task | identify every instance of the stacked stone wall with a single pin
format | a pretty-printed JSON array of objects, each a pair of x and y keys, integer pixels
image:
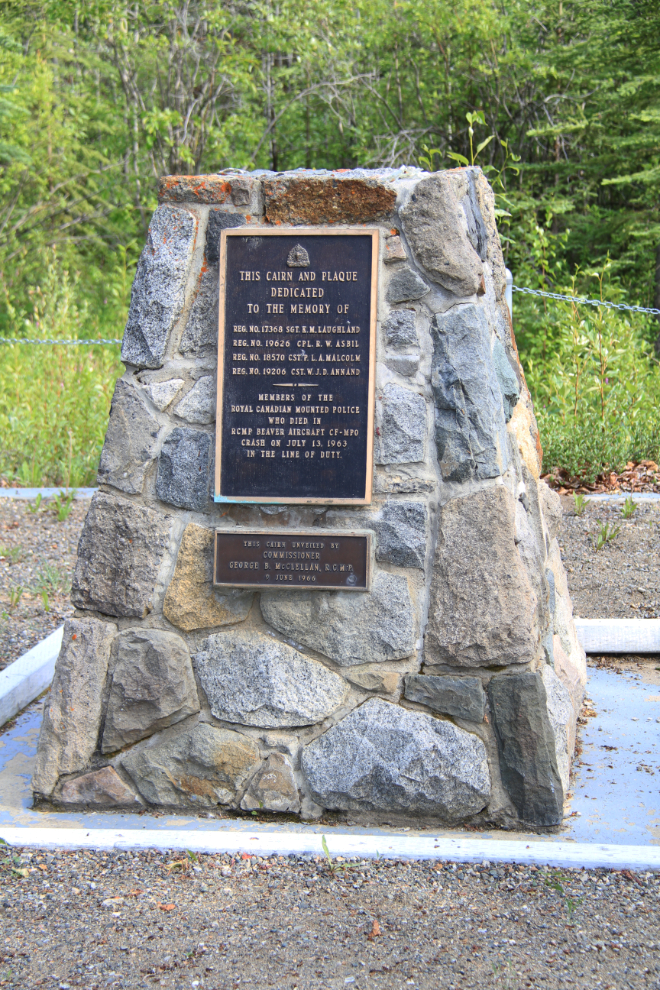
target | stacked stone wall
[{"x": 449, "y": 692}]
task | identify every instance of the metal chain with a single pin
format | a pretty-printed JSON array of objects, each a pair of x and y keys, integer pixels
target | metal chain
[
  {"x": 586, "y": 302},
  {"x": 514, "y": 288},
  {"x": 28, "y": 340}
]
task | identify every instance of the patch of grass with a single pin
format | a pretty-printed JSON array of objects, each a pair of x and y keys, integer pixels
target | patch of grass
[
  {"x": 629, "y": 508},
  {"x": 606, "y": 533},
  {"x": 51, "y": 580},
  {"x": 579, "y": 504},
  {"x": 54, "y": 399},
  {"x": 12, "y": 554}
]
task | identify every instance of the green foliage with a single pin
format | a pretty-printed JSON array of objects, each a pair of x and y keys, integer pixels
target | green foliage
[
  {"x": 54, "y": 401},
  {"x": 579, "y": 504},
  {"x": 606, "y": 533},
  {"x": 562, "y": 107},
  {"x": 629, "y": 508},
  {"x": 62, "y": 505}
]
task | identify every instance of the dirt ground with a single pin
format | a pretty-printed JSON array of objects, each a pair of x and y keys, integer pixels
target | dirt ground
[
  {"x": 622, "y": 579},
  {"x": 38, "y": 554},
  {"x": 142, "y": 920},
  {"x": 37, "y": 557}
]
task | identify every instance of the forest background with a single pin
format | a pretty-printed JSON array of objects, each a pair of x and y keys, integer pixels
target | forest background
[{"x": 558, "y": 101}]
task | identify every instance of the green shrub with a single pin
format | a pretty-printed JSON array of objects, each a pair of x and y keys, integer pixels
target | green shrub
[
  {"x": 596, "y": 387},
  {"x": 54, "y": 399}
]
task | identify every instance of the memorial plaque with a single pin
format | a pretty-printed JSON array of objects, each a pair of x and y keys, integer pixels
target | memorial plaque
[
  {"x": 285, "y": 559},
  {"x": 296, "y": 365}
]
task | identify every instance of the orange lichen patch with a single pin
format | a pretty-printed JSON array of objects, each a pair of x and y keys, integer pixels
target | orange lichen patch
[
  {"x": 326, "y": 200},
  {"x": 195, "y": 189}
]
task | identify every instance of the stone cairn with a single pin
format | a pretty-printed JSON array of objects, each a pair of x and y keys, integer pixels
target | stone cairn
[{"x": 447, "y": 693}]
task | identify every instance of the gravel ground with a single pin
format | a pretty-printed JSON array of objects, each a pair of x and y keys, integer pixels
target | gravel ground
[
  {"x": 37, "y": 555},
  {"x": 140, "y": 920},
  {"x": 622, "y": 580}
]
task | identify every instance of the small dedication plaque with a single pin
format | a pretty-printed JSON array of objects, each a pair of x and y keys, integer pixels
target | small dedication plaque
[
  {"x": 267, "y": 559},
  {"x": 296, "y": 365}
]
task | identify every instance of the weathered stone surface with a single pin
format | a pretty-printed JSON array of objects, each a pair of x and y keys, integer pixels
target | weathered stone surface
[
  {"x": 385, "y": 681},
  {"x": 101, "y": 789},
  {"x": 119, "y": 554},
  {"x": 157, "y": 296},
  {"x": 526, "y": 745},
  {"x": 73, "y": 708},
  {"x": 273, "y": 788},
  {"x": 218, "y": 221},
  {"x": 401, "y": 533},
  {"x": 405, "y": 285},
  {"x": 399, "y": 329},
  {"x": 470, "y": 430},
  {"x": 551, "y": 508},
  {"x": 482, "y": 608},
  {"x": 153, "y": 686},
  {"x": 563, "y": 720},
  {"x": 382, "y": 757},
  {"x": 349, "y": 628},
  {"x": 572, "y": 675},
  {"x": 236, "y": 190},
  {"x": 330, "y": 198},
  {"x": 251, "y": 679},
  {"x": 131, "y": 441},
  {"x": 162, "y": 393},
  {"x": 477, "y": 231},
  {"x": 183, "y": 469},
  {"x": 401, "y": 429},
  {"x": 462, "y": 697},
  {"x": 200, "y": 337},
  {"x": 571, "y": 662},
  {"x": 507, "y": 380},
  {"x": 198, "y": 405},
  {"x": 403, "y": 364},
  {"x": 524, "y": 428},
  {"x": 191, "y": 601},
  {"x": 202, "y": 766},
  {"x": 438, "y": 239},
  {"x": 394, "y": 250}
]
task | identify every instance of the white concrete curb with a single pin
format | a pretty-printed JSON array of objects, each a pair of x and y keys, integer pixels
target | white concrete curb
[
  {"x": 24, "y": 679},
  {"x": 364, "y": 846},
  {"x": 81, "y": 493},
  {"x": 619, "y": 635}
]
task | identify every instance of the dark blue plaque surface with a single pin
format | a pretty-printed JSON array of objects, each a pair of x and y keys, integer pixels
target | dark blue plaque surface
[{"x": 296, "y": 365}]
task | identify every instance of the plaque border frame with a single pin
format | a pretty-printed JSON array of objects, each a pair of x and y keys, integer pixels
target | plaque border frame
[
  {"x": 315, "y": 534},
  {"x": 372, "y": 232}
]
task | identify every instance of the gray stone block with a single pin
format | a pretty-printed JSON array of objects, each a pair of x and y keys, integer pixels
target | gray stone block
[
  {"x": 218, "y": 221},
  {"x": 198, "y": 405},
  {"x": 507, "y": 380},
  {"x": 101, "y": 789},
  {"x": 273, "y": 787},
  {"x": 438, "y": 239},
  {"x": 158, "y": 292},
  {"x": 482, "y": 606},
  {"x": 461, "y": 697},
  {"x": 405, "y": 286},
  {"x": 162, "y": 393},
  {"x": 73, "y": 708},
  {"x": 526, "y": 745},
  {"x": 563, "y": 720},
  {"x": 401, "y": 533},
  {"x": 120, "y": 552},
  {"x": 384, "y": 758},
  {"x": 131, "y": 441},
  {"x": 401, "y": 429},
  {"x": 153, "y": 686},
  {"x": 183, "y": 469},
  {"x": 200, "y": 336},
  {"x": 251, "y": 679},
  {"x": 477, "y": 231},
  {"x": 349, "y": 627},
  {"x": 403, "y": 364},
  {"x": 470, "y": 432},
  {"x": 203, "y": 766},
  {"x": 399, "y": 329}
]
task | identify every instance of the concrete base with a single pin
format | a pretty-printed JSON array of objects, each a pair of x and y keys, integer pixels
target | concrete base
[
  {"x": 27, "y": 677},
  {"x": 619, "y": 635}
]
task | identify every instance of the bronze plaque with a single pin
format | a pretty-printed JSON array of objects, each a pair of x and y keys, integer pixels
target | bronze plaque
[
  {"x": 296, "y": 365},
  {"x": 284, "y": 559}
]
